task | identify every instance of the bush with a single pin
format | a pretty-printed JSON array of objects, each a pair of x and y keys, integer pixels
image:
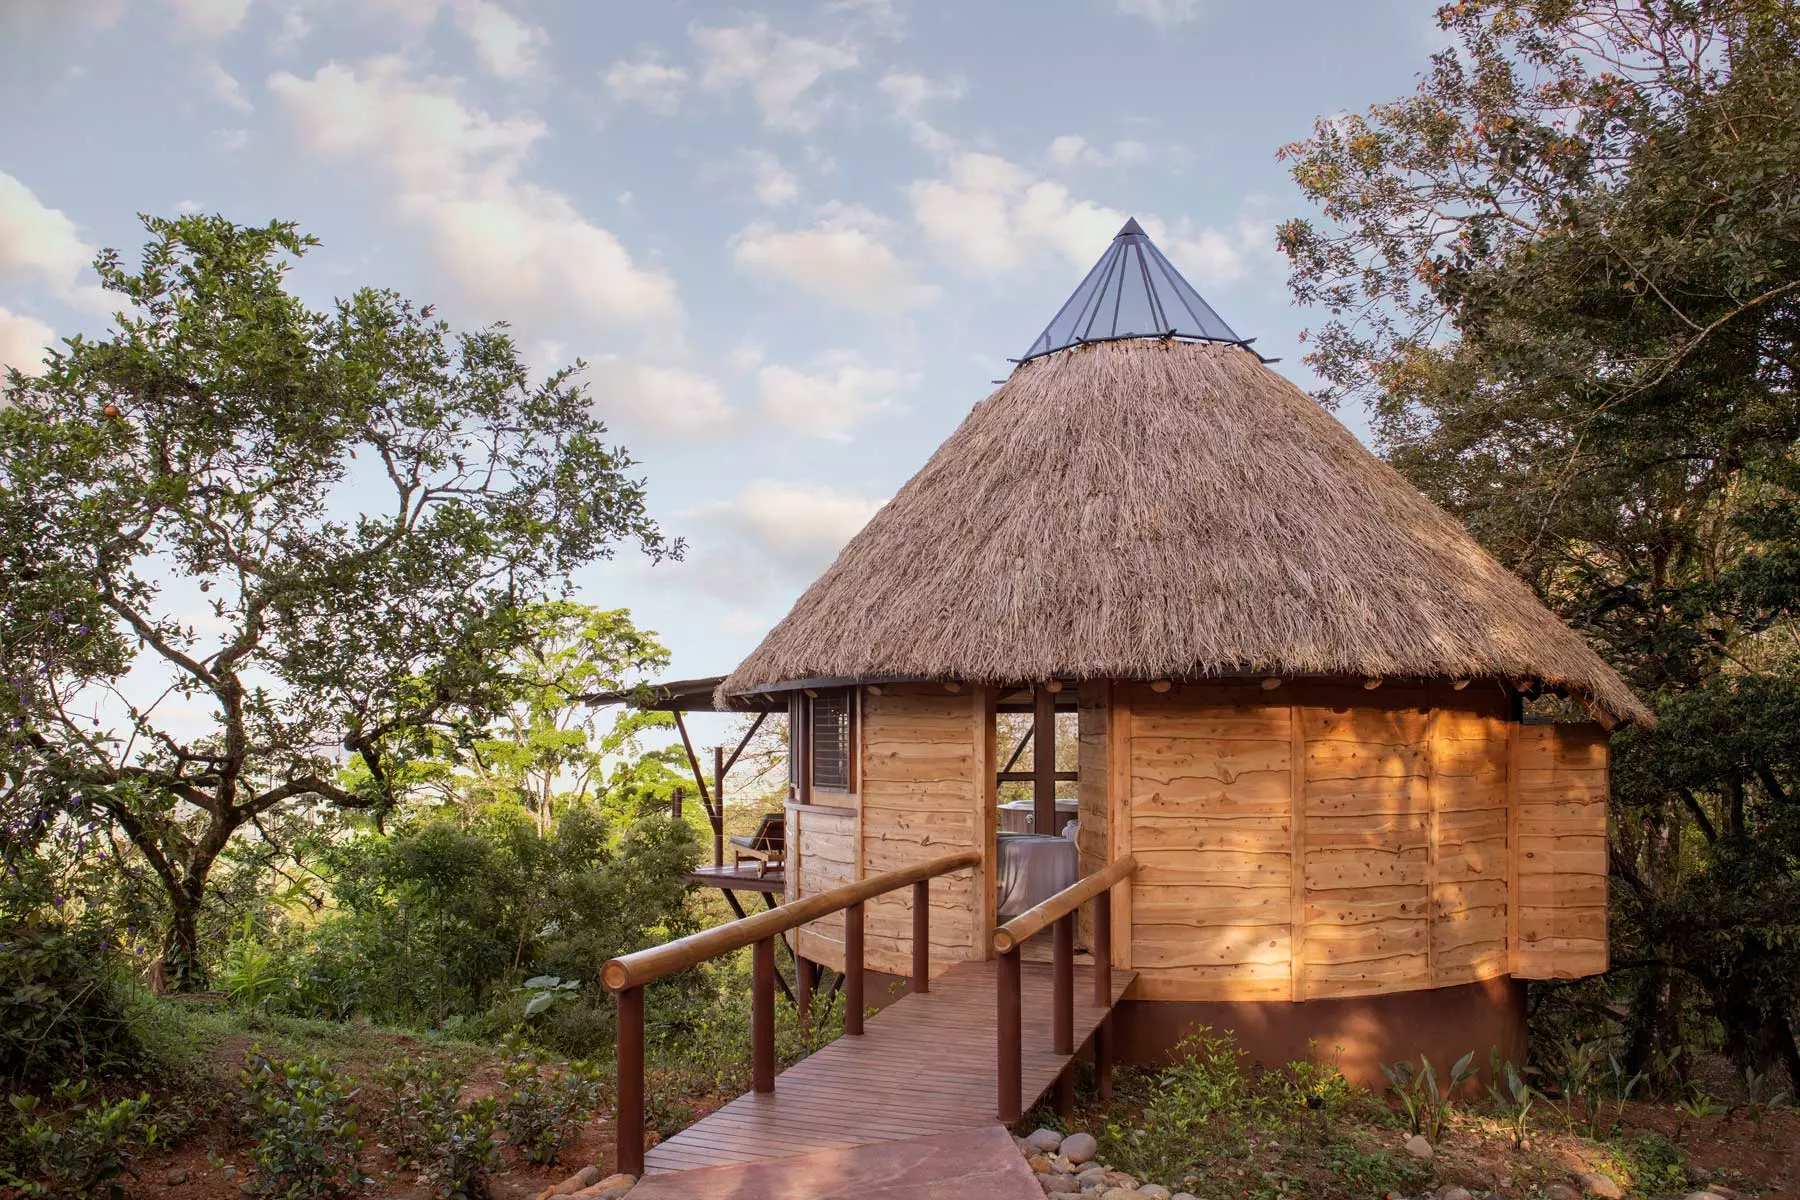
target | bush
[
  {"x": 64, "y": 1010},
  {"x": 1203, "y": 1098},
  {"x": 540, "y": 1110},
  {"x": 463, "y": 1152},
  {"x": 84, "y": 1148},
  {"x": 420, "y": 1101},
  {"x": 307, "y": 1142}
]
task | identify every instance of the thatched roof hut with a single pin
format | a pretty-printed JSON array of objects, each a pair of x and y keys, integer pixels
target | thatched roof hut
[{"x": 1140, "y": 508}]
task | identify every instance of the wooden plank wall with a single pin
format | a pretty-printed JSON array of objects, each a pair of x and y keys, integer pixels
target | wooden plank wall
[
  {"x": 1316, "y": 841},
  {"x": 923, "y": 766},
  {"x": 1561, "y": 865},
  {"x": 1208, "y": 817},
  {"x": 826, "y": 841},
  {"x": 1092, "y": 841}
]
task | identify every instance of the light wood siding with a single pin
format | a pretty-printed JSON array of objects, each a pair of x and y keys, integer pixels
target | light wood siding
[
  {"x": 1093, "y": 705},
  {"x": 1209, "y": 820},
  {"x": 923, "y": 759},
  {"x": 1561, "y": 865},
  {"x": 1469, "y": 769},
  {"x": 826, "y": 843}
]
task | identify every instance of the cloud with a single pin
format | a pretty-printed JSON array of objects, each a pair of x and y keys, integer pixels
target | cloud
[
  {"x": 1073, "y": 150},
  {"x": 225, "y": 87},
  {"x": 511, "y": 247},
  {"x": 23, "y": 341},
  {"x": 651, "y": 85},
  {"x": 662, "y": 399},
  {"x": 775, "y": 184},
  {"x": 779, "y": 69},
  {"x": 1161, "y": 13},
  {"x": 209, "y": 18},
  {"x": 504, "y": 45},
  {"x": 842, "y": 258},
  {"x": 774, "y": 535},
  {"x": 41, "y": 244},
  {"x": 909, "y": 94},
  {"x": 839, "y": 392},
  {"x": 21, "y": 18}
]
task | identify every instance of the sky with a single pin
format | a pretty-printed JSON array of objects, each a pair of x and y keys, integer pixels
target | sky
[{"x": 795, "y": 241}]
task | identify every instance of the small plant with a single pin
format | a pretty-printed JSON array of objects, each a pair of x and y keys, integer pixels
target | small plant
[
  {"x": 541, "y": 1111},
  {"x": 1698, "y": 1104},
  {"x": 546, "y": 990},
  {"x": 1375, "y": 1171},
  {"x": 249, "y": 971},
  {"x": 1314, "y": 1085},
  {"x": 1512, "y": 1096},
  {"x": 420, "y": 1101},
  {"x": 463, "y": 1153},
  {"x": 85, "y": 1149},
  {"x": 307, "y": 1142},
  {"x": 1425, "y": 1103}
]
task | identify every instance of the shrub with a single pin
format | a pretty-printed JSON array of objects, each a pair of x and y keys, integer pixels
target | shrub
[
  {"x": 249, "y": 972},
  {"x": 1204, "y": 1097},
  {"x": 307, "y": 1143},
  {"x": 64, "y": 1011},
  {"x": 420, "y": 1102},
  {"x": 1425, "y": 1103},
  {"x": 542, "y": 1110},
  {"x": 1375, "y": 1171},
  {"x": 463, "y": 1152},
  {"x": 84, "y": 1148}
]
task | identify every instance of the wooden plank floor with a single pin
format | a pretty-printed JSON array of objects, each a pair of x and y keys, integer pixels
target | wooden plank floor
[{"x": 924, "y": 1065}]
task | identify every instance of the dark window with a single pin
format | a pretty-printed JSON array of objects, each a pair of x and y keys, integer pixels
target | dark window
[{"x": 832, "y": 741}]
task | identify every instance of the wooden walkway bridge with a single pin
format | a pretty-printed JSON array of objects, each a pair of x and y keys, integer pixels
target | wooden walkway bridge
[
  {"x": 948, "y": 1064},
  {"x": 924, "y": 1065}
]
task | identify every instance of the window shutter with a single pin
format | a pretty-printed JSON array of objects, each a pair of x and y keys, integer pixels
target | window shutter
[{"x": 831, "y": 741}]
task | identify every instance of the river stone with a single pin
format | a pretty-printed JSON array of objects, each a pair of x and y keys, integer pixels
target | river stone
[
  {"x": 1054, "y": 1185},
  {"x": 1122, "y": 1194},
  {"x": 1601, "y": 1185},
  {"x": 1719, "y": 1189},
  {"x": 1155, "y": 1191},
  {"x": 1039, "y": 1164},
  {"x": 1046, "y": 1140},
  {"x": 1091, "y": 1177},
  {"x": 176, "y": 1177},
  {"x": 1418, "y": 1147},
  {"x": 1184, "y": 1196},
  {"x": 1452, "y": 1192},
  {"x": 1560, "y": 1191},
  {"x": 1079, "y": 1147},
  {"x": 1025, "y": 1147},
  {"x": 610, "y": 1188}
]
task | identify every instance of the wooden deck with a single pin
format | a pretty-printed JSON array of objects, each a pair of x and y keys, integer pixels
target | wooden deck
[
  {"x": 925, "y": 1065},
  {"x": 740, "y": 879}
]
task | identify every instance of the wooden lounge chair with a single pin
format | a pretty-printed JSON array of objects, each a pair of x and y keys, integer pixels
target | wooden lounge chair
[{"x": 768, "y": 845}]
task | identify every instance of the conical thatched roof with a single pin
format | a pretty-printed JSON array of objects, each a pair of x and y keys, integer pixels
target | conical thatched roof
[{"x": 1148, "y": 508}]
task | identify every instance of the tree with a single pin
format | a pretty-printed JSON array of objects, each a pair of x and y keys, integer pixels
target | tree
[
  {"x": 1566, "y": 272},
  {"x": 321, "y": 532}
]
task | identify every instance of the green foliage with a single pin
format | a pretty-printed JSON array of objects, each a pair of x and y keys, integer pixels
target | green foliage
[
  {"x": 302, "y": 1115},
  {"x": 465, "y": 1152},
  {"x": 83, "y": 1147},
  {"x": 1375, "y": 1170},
  {"x": 542, "y": 1108},
  {"x": 1315, "y": 1086},
  {"x": 1651, "y": 1164},
  {"x": 1512, "y": 1097},
  {"x": 202, "y": 456},
  {"x": 1425, "y": 1103},
  {"x": 1203, "y": 1098},
  {"x": 249, "y": 972},
  {"x": 419, "y": 1101},
  {"x": 1565, "y": 273},
  {"x": 63, "y": 1007}
]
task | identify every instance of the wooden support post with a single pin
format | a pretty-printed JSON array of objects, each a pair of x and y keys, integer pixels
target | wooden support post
[
  {"x": 718, "y": 813},
  {"x": 853, "y": 970},
  {"x": 675, "y": 801},
  {"x": 1009, "y": 1019},
  {"x": 1062, "y": 989},
  {"x": 1103, "y": 1056},
  {"x": 629, "y": 1119},
  {"x": 803, "y": 991},
  {"x": 1043, "y": 761},
  {"x": 921, "y": 947},
  {"x": 1103, "y": 949},
  {"x": 762, "y": 1016},
  {"x": 1065, "y": 1092}
]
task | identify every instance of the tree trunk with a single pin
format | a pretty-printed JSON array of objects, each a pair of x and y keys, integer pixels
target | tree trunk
[{"x": 182, "y": 969}]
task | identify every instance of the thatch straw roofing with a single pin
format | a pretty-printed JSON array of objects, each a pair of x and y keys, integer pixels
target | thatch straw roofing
[{"x": 1147, "y": 509}]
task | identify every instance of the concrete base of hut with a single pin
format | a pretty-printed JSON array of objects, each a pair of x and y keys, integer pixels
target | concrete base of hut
[{"x": 1357, "y": 1034}]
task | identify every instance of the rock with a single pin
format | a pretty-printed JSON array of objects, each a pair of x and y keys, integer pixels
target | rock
[
  {"x": 587, "y": 1177},
  {"x": 1604, "y": 1186},
  {"x": 1091, "y": 1177},
  {"x": 1706, "y": 1195},
  {"x": 1039, "y": 1164},
  {"x": 176, "y": 1177},
  {"x": 1560, "y": 1191},
  {"x": 1079, "y": 1147},
  {"x": 1154, "y": 1191},
  {"x": 1120, "y": 1179},
  {"x": 1184, "y": 1196},
  {"x": 1719, "y": 1189},
  {"x": 1121, "y": 1194},
  {"x": 1025, "y": 1147},
  {"x": 1418, "y": 1147},
  {"x": 1452, "y": 1192},
  {"x": 1045, "y": 1140},
  {"x": 610, "y": 1188},
  {"x": 1058, "y": 1185}
]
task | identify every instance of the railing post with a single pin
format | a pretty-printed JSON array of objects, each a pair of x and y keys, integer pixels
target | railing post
[
  {"x": 1012, "y": 1050},
  {"x": 1062, "y": 995},
  {"x": 803, "y": 989},
  {"x": 853, "y": 969},
  {"x": 921, "y": 947},
  {"x": 1103, "y": 1047},
  {"x": 629, "y": 1120},
  {"x": 762, "y": 1016}
]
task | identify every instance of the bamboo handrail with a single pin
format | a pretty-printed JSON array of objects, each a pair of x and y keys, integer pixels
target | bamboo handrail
[
  {"x": 647, "y": 966},
  {"x": 1035, "y": 920}
]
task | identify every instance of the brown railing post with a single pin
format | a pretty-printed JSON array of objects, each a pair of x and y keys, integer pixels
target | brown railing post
[
  {"x": 629, "y": 1119},
  {"x": 1012, "y": 1051},
  {"x": 803, "y": 989},
  {"x": 921, "y": 975},
  {"x": 762, "y": 1016},
  {"x": 853, "y": 969},
  {"x": 718, "y": 815},
  {"x": 1062, "y": 985},
  {"x": 1103, "y": 1047}
]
